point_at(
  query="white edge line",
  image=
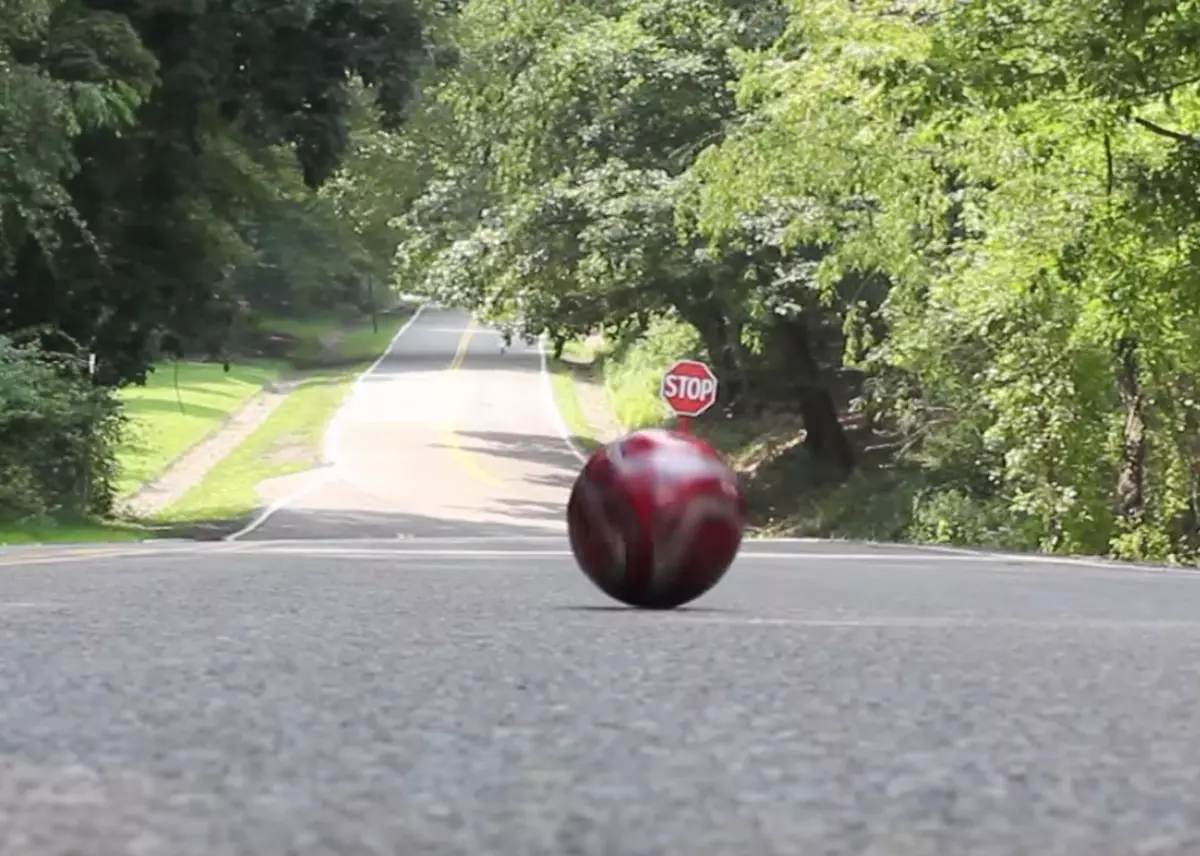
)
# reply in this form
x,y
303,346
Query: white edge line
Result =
x,y
190,549
331,448
556,414
275,548
295,548
333,433
452,552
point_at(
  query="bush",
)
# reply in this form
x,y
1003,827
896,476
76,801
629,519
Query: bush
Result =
x,y
58,436
951,516
633,372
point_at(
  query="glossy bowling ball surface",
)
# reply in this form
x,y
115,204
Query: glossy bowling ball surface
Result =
x,y
656,518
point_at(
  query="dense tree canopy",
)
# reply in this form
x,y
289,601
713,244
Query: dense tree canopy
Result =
x,y
161,157
1024,178
164,166
973,223
985,209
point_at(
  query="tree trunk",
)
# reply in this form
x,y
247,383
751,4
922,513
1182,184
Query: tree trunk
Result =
x,y
825,438
722,340
1131,479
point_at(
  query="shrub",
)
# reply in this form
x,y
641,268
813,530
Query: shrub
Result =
x,y
58,436
633,372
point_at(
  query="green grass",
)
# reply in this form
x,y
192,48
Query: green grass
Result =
x,y
183,403
579,352
633,376
780,482
309,334
286,443
364,344
180,405
289,441
305,329
563,381
85,532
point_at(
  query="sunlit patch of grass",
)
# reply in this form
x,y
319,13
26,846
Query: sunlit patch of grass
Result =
x,y
180,405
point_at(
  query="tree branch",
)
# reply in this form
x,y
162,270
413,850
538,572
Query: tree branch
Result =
x,y
1177,136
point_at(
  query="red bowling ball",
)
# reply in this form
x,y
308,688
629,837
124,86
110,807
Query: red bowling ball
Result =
x,y
656,518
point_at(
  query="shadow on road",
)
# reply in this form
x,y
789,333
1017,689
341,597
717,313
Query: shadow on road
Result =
x,y
535,449
695,610
528,509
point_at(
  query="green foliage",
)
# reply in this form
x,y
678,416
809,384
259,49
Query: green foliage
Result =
x,y
961,233
958,242
569,128
162,163
995,164
58,437
633,372
162,175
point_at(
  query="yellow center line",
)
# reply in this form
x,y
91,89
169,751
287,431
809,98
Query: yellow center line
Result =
x,y
51,555
70,557
468,461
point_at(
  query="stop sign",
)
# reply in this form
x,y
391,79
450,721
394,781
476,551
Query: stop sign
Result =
x,y
689,387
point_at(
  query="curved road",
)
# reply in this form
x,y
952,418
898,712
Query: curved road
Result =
x,y
320,686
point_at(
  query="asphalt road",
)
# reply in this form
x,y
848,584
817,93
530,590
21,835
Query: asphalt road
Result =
x,y
445,436
476,695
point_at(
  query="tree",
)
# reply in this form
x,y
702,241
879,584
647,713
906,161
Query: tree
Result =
x,y
1004,166
171,152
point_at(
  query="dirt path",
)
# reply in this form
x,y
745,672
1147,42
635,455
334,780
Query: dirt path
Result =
x,y
190,468
594,401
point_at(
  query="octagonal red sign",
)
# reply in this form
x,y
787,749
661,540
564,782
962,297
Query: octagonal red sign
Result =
x,y
689,387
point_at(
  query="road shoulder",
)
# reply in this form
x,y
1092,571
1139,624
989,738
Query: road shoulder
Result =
x,y
191,468
214,485
583,400
284,436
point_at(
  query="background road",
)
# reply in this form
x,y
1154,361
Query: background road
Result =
x,y
446,436
476,695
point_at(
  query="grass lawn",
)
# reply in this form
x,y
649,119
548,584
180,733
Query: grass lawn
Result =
x,y
86,532
290,440
308,335
562,379
180,405
362,343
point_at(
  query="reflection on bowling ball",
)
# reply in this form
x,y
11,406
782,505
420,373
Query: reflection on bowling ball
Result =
x,y
656,518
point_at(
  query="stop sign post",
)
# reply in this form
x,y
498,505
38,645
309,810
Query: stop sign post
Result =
x,y
689,387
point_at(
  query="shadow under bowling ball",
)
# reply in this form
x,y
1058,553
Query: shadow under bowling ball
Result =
x,y
618,607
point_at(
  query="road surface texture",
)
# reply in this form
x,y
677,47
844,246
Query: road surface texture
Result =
x,y
474,695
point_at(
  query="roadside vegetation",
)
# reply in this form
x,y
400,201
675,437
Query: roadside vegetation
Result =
x,y
180,405
942,255
289,441
181,228
183,403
